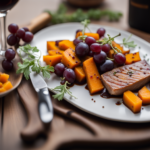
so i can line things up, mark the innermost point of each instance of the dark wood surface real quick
(14, 114)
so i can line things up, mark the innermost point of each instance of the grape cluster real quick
(17, 34)
(90, 47)
(68, 74)
(99, 52)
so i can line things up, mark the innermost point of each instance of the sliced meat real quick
(128, 77)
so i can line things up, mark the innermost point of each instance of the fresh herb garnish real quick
(62, 90)
(61, 16)
(128, 44)
(32, 61)
(114, 73)
(130, 73)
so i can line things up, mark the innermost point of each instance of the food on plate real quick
(69, 75)
(132, 101)
(52, 60)
(92, 76)
(119, 48)
(80, 75)
(5, 85)
(132, 57)
(144, 94)
(119, 59)
(128, 77)
(59, 69)
(94, 35)
(65, 44)
(101, 32)
(55, 52)
(82, 49)
(69, 59)
(51, 45)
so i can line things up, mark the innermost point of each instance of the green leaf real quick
(26, 73)
(62, 90)
(46, 74)
(35, 68)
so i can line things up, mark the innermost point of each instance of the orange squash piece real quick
(65, 44)
(132, 101)
(1, 84)
(111, 54)
(7, 85)
(2, 89)
(92, 76)
(69, 59)
(144, 94)
(4, 77)
(114, 44)
(55, 52)
(51, 45)
(79, 72)
(94, 35)
(132, 57)
(52, 60)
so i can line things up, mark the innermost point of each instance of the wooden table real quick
(12, 114)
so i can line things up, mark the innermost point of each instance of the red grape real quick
(59, 69)
(69, 75)
(10, 54)
(13, 28)
(100, 57)
(7, 65)
(89, 40)
(76, 41)
(101, 31)
(91, 53)
(12, 39)
(20, 33)
(106, 48)
(28, 37)
(25, 29)
(57, 42)
(119, 59)
(82, 49)
(95, 47)
(106, 66)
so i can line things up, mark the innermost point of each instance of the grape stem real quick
(110, 58)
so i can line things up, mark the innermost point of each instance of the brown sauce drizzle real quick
(118, 103)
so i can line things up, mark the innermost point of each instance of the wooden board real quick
(0, 123)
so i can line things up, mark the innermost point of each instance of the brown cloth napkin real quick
(72, 127)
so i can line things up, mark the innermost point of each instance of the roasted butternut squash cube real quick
(120, 48)
(1, 84)
(92, 76)
(69, 59)
(55, 52)
(7, 85)
(94, 35)
(65, 44)
(4, 77)
(132, 101)
(79, 72)
(52, 60)
(144, 94)
(2, 89)
(111, 54)
(132, 57)
(51, 45)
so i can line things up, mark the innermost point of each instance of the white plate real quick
(110, 111)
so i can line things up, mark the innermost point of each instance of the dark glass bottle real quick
(139, 14)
